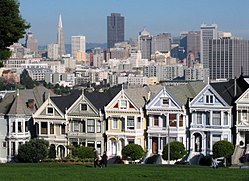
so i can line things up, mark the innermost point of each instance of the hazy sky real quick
(89, 17)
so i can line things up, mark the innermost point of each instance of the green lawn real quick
(36, 172)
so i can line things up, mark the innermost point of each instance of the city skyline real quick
(88, 18)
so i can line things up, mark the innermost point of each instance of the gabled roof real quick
(138, 96)
(101, 99)
(230, 90)
(181, 93)
(16, 103)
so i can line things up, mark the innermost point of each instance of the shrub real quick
(83, 152)
(177, 151)
(33, 151)
(222, 149)
(132, 151)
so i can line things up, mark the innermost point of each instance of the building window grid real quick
(90, 126)
(216, 118)
(115, 123)
(130, 123)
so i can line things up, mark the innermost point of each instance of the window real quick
(199, 117)
(216, 118)
(83, 126)
(172, 120)
(115, 123)
(130, 141)
(130, 122)
(44, 128)
(14, 127)
(216, 138)
(90, 126)
(123, 104)
(209, 99)
(225, 118)
(76, 126)
(26, 126)
(98, 126)
(13, 148)
(244, 115)
(4, 144)
(19, 127)
(181, 121)
(83, 107)
(63, 129)
(51, 128)
(165, 102)
(50, 110)
(156, 121)
(139, 124)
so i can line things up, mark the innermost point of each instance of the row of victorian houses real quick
(194, 113)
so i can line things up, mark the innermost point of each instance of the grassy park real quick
(115, 172)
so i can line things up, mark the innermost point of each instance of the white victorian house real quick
(210, 121)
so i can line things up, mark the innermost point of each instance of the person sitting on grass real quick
(96, 158)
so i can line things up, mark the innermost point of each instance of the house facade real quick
(125, 120)
(210, 121)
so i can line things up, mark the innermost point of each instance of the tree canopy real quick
(177, 151)
(12, 26)
(132, 151)
(222, 149)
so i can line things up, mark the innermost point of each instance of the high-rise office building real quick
(144, 44)
(78, 44)
(53, 51)
(60, 39)
(207, 32)
(228, 58)
(193, 43)
(161, 42)
(115, 29)
(31, 42)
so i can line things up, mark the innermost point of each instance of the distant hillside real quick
(68, 46)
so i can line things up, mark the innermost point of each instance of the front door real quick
(154, 145)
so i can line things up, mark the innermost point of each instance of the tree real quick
(132, 151)
(177, 151)
(26, 80)
(12, 26)
(223, 149)
(34, 151)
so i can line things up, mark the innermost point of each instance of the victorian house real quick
(16, 111)
(125, 120)
(210, 120)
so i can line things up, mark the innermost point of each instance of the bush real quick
(177, 151)
(223, 149)
(34, 151)
(83, 152)
(132, 151)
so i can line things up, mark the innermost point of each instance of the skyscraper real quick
(78, 44)
(115, 29)
(60, 39)
(207, 32)
(228, 58)
(161, 42)
(193, 43)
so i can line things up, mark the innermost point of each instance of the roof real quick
(231, 90)
(138, 96)
(181, 93)
(16, 103)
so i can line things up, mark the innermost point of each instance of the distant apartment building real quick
(78, 44)
(53, 51)
(38, 74)
(208, 32)
(161, 43)
(60, 78)
(145, 44)
(115, 29)
(196, 73)
(18, 62)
